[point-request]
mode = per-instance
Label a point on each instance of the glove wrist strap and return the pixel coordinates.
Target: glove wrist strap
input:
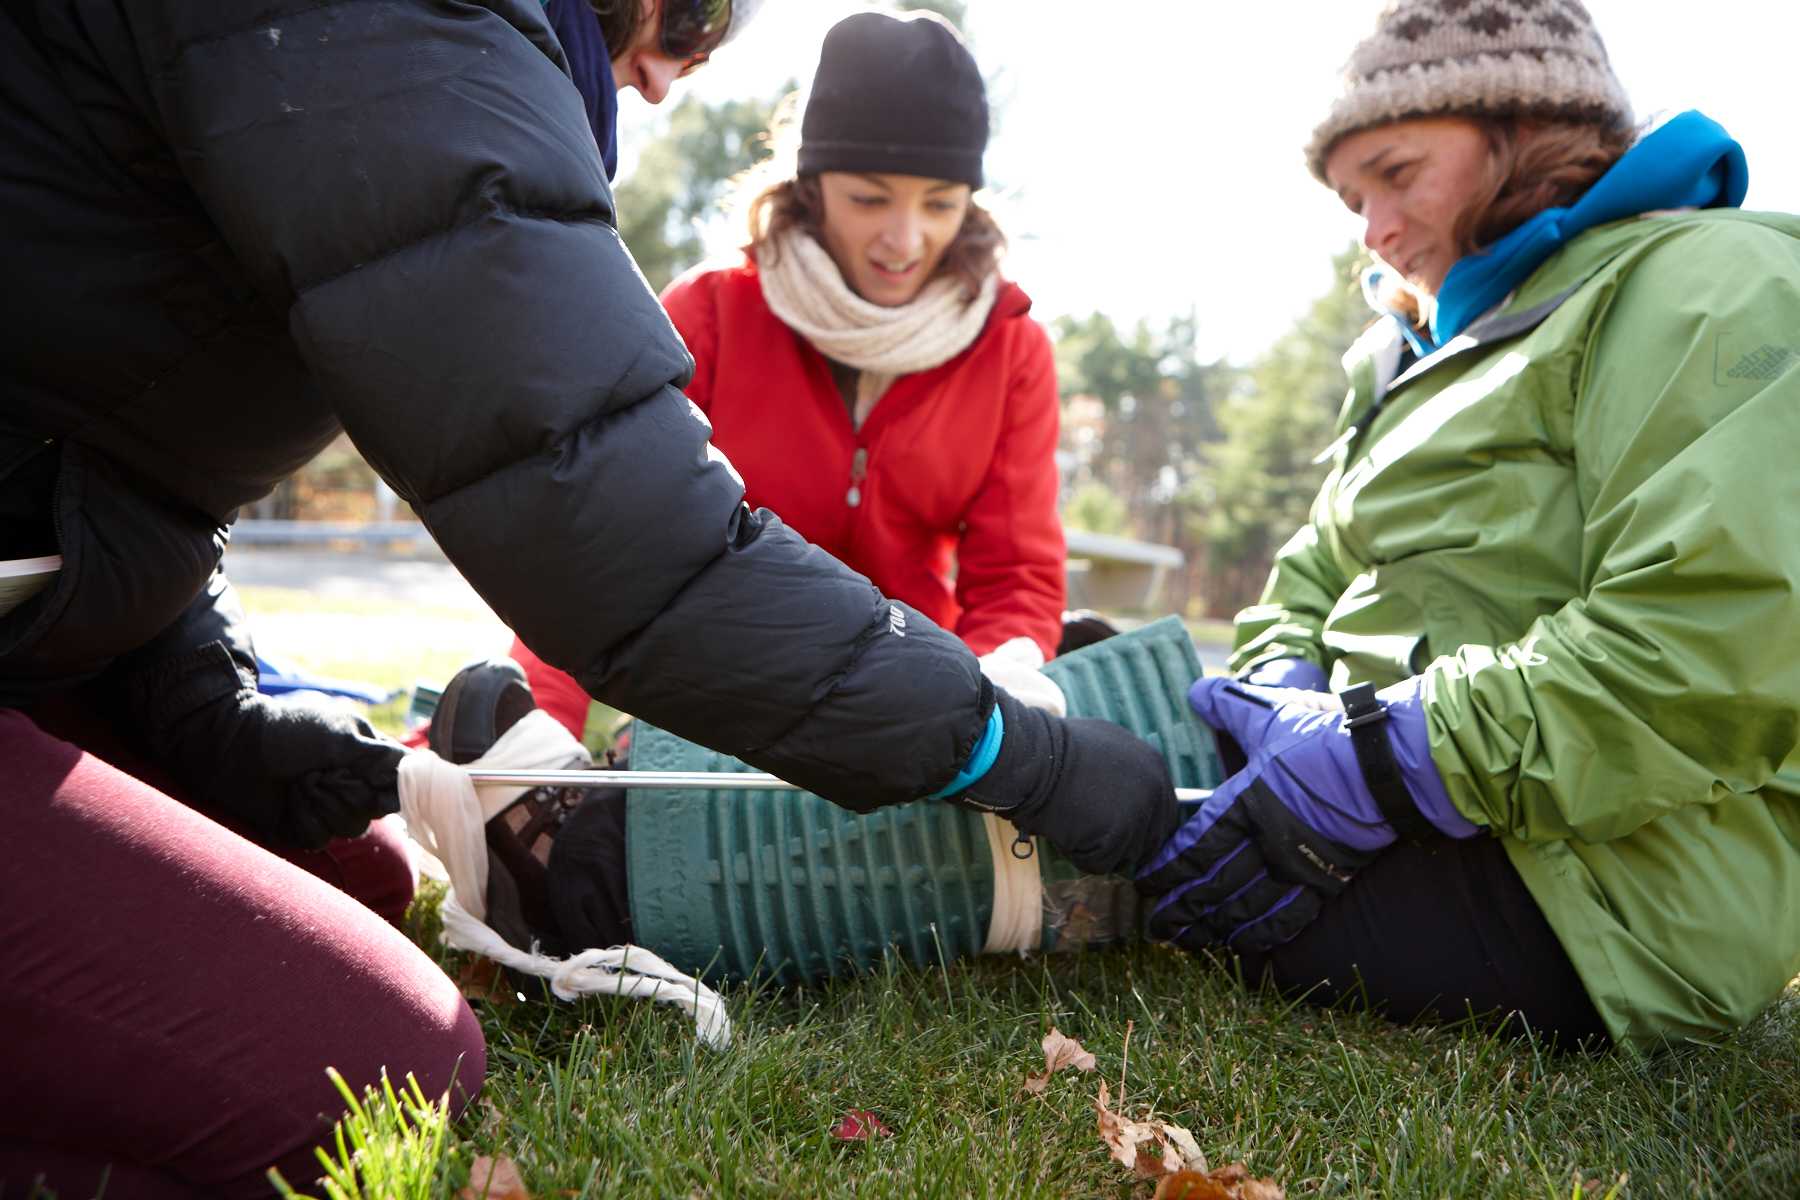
(1366, 718)
(987, 749)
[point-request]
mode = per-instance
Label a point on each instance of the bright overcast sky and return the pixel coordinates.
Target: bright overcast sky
(1147, 158)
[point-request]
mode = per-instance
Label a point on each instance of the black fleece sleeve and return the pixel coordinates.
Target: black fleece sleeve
(204, 656)
(417, 183)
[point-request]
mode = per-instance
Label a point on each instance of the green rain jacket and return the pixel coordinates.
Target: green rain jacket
(1580, 522)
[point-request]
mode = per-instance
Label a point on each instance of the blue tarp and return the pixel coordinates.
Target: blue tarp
(278, 678)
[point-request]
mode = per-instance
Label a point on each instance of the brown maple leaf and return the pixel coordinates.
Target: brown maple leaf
(1060, 1051)
(494, 1179)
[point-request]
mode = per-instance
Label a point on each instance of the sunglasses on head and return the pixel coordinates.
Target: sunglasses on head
(693, 29)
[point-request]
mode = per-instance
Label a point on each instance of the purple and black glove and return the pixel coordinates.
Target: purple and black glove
(1278, 838)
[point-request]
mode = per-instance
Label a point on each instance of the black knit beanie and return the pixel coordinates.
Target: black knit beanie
(895, 95)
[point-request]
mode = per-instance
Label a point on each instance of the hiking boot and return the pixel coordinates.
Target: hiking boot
(479, 704)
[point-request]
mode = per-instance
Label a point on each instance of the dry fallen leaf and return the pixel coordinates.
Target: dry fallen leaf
(1191, 1158)
(1227, 1183)
(494, 1179)
(1170, 1155)
(1060, 1051)
(484, 979)
(859, 1125)
(1151, 1148)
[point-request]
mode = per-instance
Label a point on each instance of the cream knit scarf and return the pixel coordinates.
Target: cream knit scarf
(805, 289)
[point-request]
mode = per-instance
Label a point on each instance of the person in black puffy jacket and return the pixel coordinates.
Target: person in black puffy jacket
(232, 230)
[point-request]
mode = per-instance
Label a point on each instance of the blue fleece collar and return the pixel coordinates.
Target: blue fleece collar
(1689, 161)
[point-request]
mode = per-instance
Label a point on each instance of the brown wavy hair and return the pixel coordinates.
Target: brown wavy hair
(620, 21)
(1533, 164)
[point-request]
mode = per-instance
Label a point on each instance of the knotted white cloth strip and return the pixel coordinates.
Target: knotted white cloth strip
(629, 971)
(1017, 922)
(445, 812)
(446, 815)
(1016, 925)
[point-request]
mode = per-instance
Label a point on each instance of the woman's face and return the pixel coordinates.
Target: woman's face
(1409, 181)
(887, 233)
(643, 64)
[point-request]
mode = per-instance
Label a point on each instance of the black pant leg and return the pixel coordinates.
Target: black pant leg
(1438, 931)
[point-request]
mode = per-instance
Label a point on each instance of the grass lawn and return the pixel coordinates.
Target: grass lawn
(608, 1097)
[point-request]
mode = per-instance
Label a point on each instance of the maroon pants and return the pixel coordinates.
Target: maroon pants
(171, 993)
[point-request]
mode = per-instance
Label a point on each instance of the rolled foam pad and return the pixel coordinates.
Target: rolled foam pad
(788, 887)
(1140, 680)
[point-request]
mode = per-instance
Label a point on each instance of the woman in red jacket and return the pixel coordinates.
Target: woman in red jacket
(868, 371)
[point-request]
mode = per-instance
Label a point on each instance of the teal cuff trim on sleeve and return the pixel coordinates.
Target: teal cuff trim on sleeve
(986, 751)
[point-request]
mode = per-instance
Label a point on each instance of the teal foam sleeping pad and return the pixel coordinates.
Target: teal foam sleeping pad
(788, 887)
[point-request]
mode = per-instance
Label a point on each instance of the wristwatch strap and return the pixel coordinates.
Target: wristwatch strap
(1366, 719)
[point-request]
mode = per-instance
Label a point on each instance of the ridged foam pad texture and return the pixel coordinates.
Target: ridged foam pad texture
(789, 887)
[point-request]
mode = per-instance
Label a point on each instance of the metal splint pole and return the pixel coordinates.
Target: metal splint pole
(712, 781)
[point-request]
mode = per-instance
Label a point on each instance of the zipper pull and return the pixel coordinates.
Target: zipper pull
(859, 470)
(1021, 841)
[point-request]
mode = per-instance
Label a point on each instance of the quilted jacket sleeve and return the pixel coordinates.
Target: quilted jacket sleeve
(417, 184)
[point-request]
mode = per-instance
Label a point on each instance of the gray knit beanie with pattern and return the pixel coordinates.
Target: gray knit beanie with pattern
(1494, 57)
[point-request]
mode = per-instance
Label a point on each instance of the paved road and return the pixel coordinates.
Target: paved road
(415, 579)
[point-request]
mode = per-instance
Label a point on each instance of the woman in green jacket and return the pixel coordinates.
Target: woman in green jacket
(1558, 536)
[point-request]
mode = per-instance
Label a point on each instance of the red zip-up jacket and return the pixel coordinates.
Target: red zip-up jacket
(945, 498)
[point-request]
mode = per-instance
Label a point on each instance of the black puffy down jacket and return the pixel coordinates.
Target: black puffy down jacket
(232, 227)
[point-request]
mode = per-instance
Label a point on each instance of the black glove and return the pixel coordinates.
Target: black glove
(1097, 792)
(295, 774)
